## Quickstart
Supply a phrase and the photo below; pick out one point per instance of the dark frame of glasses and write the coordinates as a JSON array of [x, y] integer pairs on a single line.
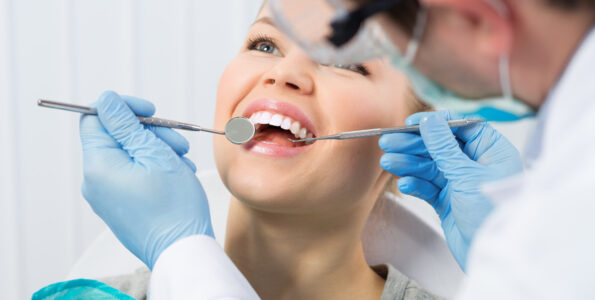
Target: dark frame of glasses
[[346, 27]]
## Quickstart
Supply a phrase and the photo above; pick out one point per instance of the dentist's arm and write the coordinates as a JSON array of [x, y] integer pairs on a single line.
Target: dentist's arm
[[446, 167], [137, 180]]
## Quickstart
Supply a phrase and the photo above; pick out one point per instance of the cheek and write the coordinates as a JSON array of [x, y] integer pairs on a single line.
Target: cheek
[[234, 84], [237, 80], [239, 77], [352, 107], [363, 105], [369, 106]]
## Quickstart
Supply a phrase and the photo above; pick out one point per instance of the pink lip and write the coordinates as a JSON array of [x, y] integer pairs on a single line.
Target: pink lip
[[285, 109], [273, 149]]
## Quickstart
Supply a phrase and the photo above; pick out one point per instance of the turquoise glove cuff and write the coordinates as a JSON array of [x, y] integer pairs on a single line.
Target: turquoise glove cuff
[[79, 289]]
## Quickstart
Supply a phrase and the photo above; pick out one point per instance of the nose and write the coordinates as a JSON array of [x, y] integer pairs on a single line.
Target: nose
[[294, 73]]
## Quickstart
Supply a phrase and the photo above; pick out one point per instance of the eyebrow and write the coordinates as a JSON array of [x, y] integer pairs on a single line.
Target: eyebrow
[[266, 20]]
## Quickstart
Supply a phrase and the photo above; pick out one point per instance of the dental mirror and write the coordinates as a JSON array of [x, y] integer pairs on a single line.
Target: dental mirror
[[238, 130]]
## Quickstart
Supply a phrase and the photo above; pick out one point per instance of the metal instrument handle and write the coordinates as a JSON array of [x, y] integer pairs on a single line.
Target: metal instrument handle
[[145, 120], [380, 131], [360, 134], [159, 122]]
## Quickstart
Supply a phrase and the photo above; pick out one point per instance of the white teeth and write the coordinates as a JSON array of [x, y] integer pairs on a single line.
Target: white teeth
[[265, 117], [286, 123], [276, 120], [303, 133], [256, 117], [295, 128], [309, 136]]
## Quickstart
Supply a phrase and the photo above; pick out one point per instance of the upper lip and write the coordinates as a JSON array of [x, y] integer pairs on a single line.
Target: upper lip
[[283, 108]]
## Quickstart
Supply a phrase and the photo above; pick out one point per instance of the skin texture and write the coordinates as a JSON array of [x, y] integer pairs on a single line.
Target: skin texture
[[465, 38], [295, 223]]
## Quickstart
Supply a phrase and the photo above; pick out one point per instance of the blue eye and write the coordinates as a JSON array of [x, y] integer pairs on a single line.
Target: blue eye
[[268, 48], [264, 44]]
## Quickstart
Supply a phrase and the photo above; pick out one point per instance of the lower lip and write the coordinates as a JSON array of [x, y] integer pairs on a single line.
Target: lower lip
[[274, 150]]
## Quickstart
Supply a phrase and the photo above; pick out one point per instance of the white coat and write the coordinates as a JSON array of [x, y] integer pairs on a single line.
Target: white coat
[[539, 243]]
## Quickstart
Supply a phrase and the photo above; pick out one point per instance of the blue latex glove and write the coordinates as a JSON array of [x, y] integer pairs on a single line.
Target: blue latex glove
[[446, 167], [137, 180]]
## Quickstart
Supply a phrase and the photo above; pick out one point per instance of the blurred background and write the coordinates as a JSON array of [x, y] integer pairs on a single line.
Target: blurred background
[[168, 51], [171, 52]]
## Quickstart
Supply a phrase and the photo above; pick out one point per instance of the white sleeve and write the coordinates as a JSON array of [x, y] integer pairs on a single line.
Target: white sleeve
[[539, 244], [197, 268]]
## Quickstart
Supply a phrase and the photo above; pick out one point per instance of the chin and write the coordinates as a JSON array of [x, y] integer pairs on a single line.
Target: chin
[[268, 191], [261, 183]]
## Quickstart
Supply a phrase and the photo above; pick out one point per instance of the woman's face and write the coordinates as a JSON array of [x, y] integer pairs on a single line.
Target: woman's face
[[272, 81]]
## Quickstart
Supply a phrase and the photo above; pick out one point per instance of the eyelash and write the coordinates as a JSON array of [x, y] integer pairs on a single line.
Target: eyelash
[[253, 44]]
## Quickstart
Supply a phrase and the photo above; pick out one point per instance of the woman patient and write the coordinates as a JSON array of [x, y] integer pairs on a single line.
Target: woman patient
[[298, 210]]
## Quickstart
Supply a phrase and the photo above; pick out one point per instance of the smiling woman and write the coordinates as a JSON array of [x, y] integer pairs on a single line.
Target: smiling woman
[[298, 210]]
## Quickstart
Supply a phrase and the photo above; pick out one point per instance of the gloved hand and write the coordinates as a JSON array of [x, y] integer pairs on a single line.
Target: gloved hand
[[446, 167], [137, 180]]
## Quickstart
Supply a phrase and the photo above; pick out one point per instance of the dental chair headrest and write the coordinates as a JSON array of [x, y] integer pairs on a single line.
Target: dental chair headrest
[[405, 232]]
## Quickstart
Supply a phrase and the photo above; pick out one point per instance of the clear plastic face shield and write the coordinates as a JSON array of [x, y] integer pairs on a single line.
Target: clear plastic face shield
[[335, 31], [343, 32]]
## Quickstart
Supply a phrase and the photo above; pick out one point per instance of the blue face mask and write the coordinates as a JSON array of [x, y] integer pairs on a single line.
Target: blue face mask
[[504, 108]]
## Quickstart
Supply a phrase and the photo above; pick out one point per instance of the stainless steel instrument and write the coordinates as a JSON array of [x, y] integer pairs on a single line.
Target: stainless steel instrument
[[238, 130], [357, 134]]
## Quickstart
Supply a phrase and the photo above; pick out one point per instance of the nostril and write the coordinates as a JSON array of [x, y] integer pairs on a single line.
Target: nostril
[[293, 86]]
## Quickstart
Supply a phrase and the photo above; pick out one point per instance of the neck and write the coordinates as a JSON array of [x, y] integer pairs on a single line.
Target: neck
[[547, 38], [305, 257]]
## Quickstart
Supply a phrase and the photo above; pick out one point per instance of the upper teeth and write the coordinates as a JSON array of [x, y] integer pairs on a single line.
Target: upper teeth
[[284, 122]]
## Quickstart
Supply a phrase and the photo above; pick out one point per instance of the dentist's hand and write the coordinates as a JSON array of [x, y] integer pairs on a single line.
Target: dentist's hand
[[137, 180], [446, 167]]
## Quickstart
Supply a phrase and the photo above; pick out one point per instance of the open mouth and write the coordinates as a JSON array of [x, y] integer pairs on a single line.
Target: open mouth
[[275, 128]]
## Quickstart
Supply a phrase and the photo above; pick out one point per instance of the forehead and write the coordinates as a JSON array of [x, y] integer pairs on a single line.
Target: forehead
[[264, 16], [264, 10]]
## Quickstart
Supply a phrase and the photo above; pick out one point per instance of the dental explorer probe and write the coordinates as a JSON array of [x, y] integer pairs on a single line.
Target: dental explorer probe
[[380, 131], [238, 130]]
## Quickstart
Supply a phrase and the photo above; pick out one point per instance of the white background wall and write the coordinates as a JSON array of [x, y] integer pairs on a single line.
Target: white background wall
[[169, 51]]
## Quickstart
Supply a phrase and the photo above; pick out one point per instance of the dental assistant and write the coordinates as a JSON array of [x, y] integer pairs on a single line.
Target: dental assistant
[[535, 239]]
